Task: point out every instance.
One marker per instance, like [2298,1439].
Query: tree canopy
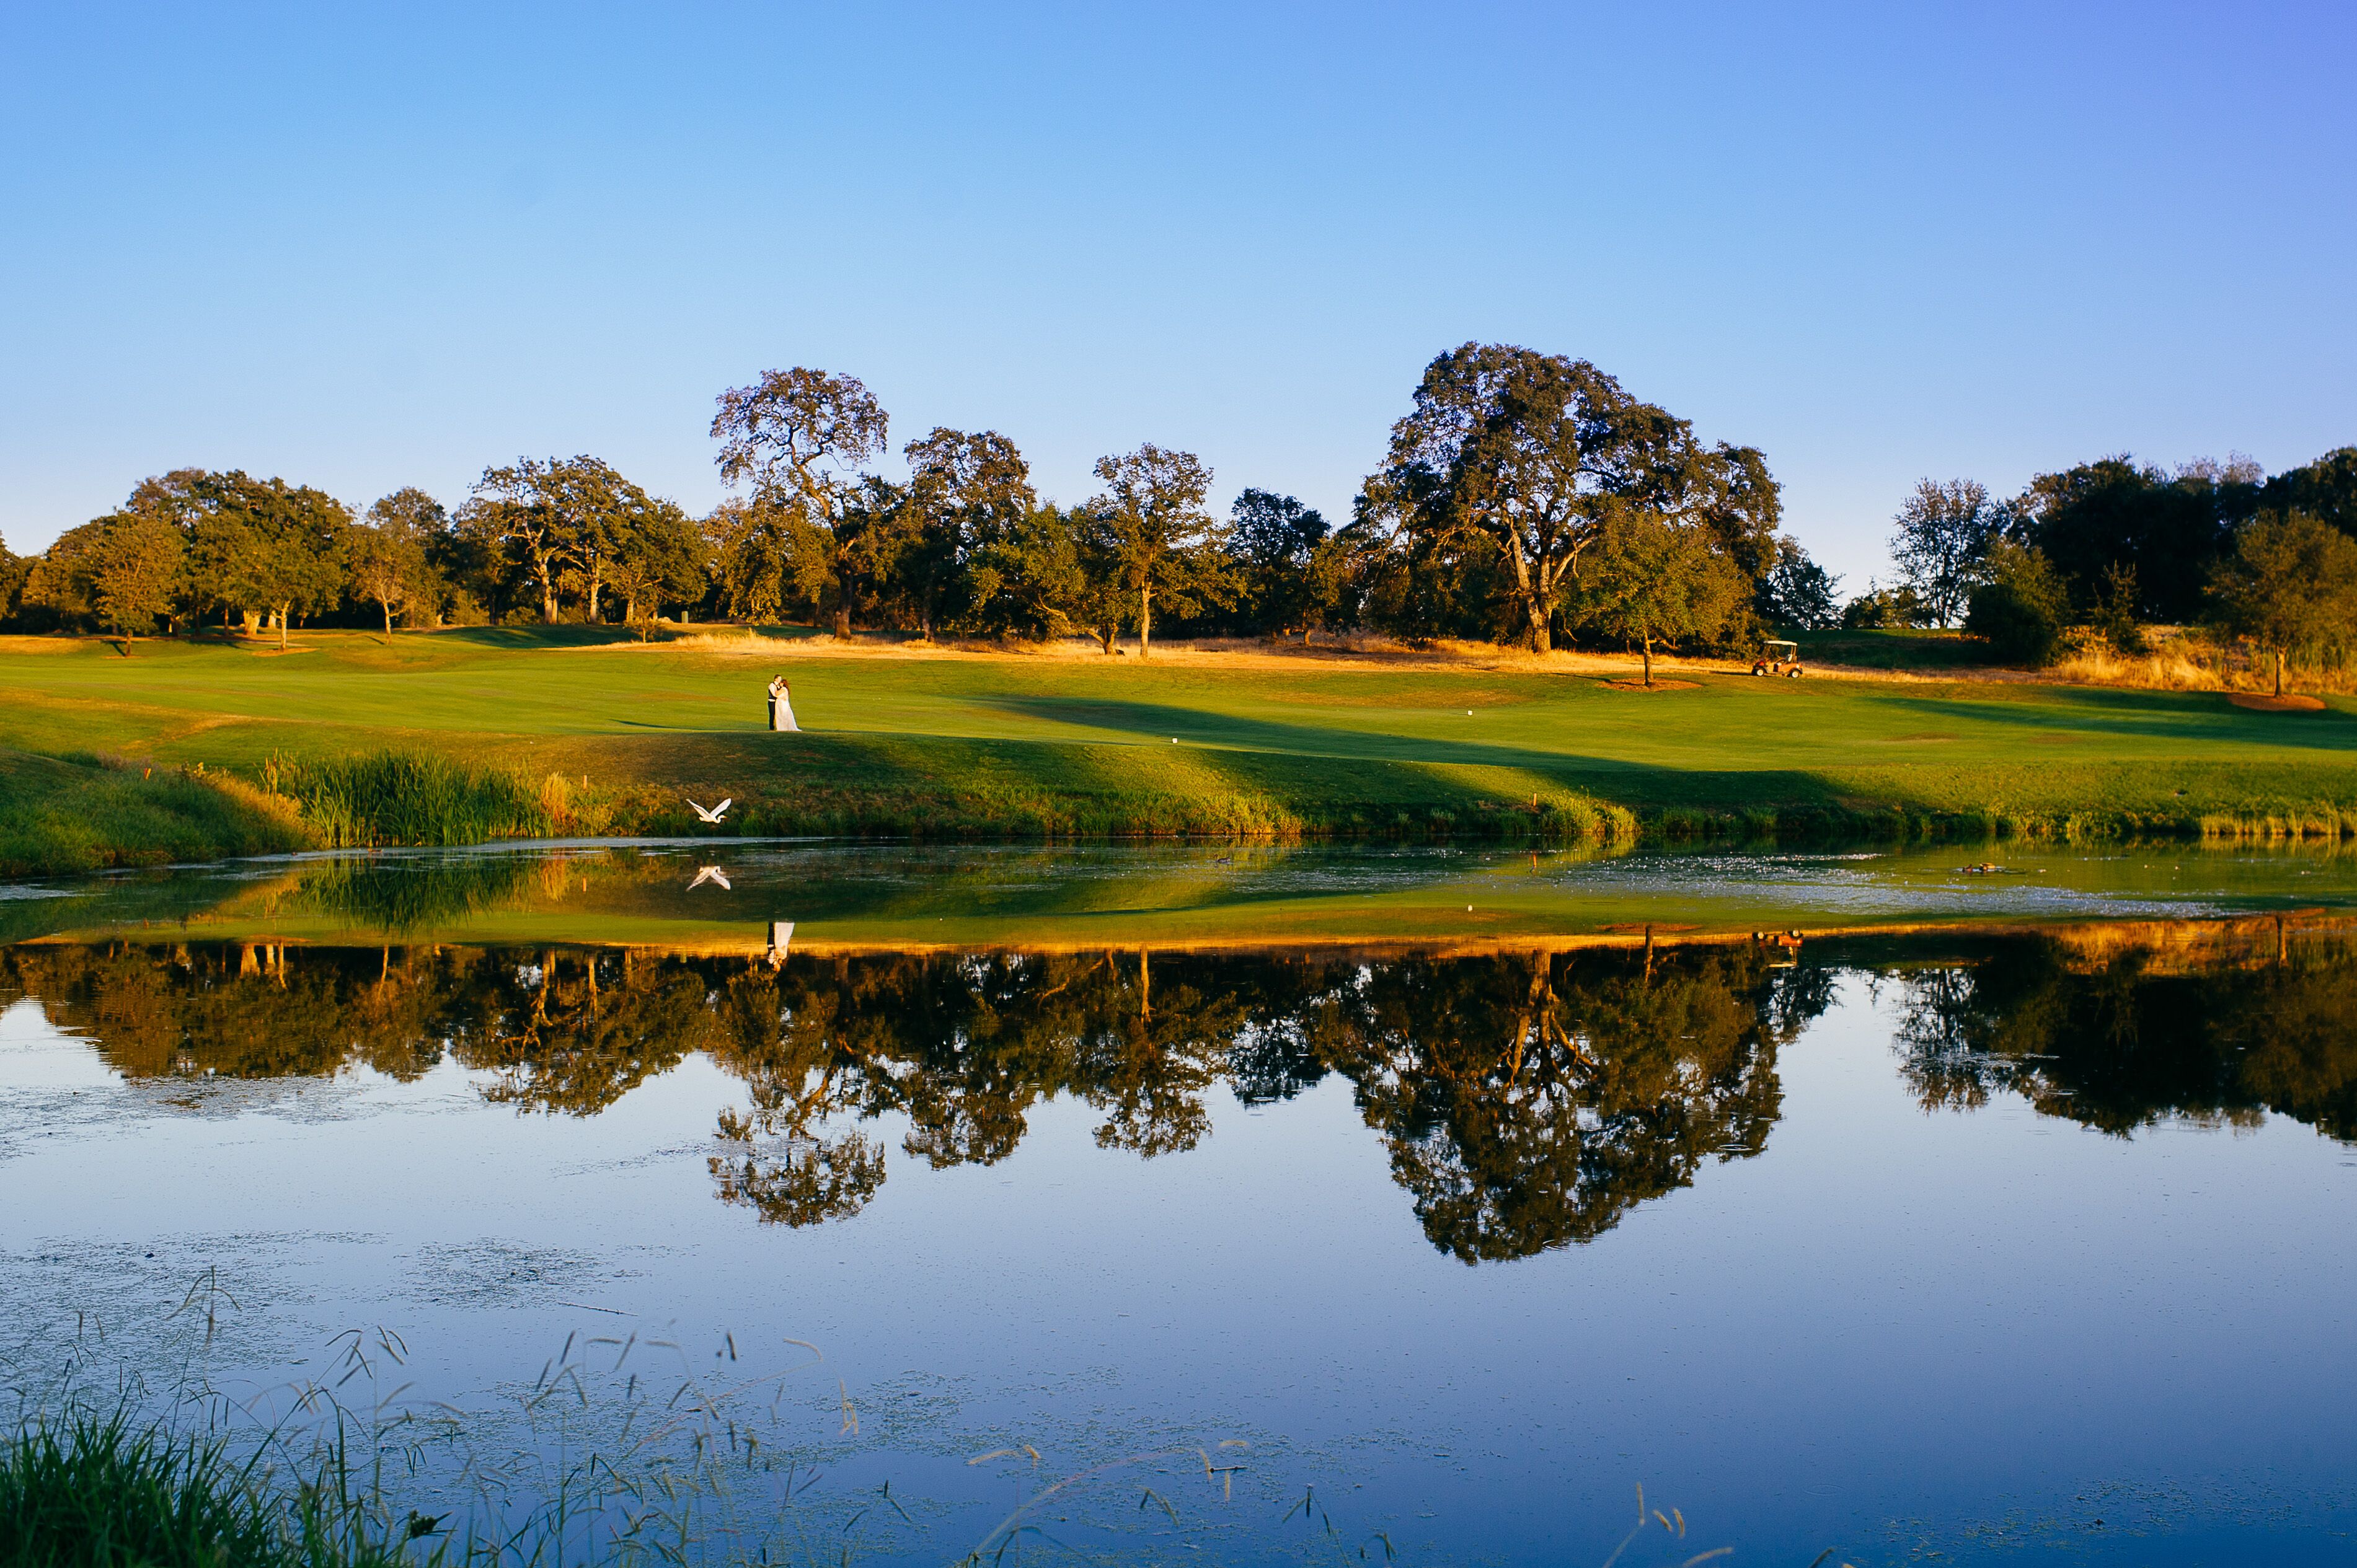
[1277,547]
[2020,604]
[2116,516]
[967,493]
[2290,583]
[135,573]
[1487,518]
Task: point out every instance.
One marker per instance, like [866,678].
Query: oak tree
[1653,581]
[1149,528]
[135,573]
[1532,452]
[795,440]
[1273,543]
[1028,579]
[2291,581]
[1943,532]
[967,493]
[387,563]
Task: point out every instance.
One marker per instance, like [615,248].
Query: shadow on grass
[2160,716]
[936,783]
[517,639]
[1152,722]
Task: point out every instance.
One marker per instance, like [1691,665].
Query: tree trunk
[547,601]
[2278,671]
[1534,606]
[842,619]
[387,605]
[1105,632]
[1145,622]
[283,610]
[1647,644]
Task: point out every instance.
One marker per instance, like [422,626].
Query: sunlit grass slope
[614,737]
[76,815]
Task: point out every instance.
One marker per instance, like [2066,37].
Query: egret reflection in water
[1525,1099]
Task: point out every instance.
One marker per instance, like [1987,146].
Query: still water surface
[2000,1212]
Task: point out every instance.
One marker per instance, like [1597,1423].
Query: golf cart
[1778,659]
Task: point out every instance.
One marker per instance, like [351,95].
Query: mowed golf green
[959,743]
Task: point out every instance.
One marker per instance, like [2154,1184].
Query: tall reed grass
[416,797]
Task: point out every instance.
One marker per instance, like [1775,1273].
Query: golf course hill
[193,749]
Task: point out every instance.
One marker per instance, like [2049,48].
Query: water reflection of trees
[2245,1019]
[1526,1100]
[1532,1100]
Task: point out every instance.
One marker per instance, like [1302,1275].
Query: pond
[1189,1204]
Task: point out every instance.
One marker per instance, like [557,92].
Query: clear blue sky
[365,247]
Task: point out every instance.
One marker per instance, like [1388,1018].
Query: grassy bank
[456,737]
[84,814]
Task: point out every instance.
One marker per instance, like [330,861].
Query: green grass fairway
[968,744]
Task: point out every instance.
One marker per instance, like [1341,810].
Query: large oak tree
[795,440]
[564,523]
[1532,452]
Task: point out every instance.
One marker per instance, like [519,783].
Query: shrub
[2020,608]
[1884,608]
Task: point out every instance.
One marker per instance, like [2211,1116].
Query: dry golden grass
[2169,671]
[2187,661]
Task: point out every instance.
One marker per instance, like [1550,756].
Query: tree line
[1524,497]
[2117,547]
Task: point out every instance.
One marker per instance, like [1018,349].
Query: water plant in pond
[622,1450]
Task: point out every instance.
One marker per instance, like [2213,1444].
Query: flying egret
[710,873]
[716,812]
